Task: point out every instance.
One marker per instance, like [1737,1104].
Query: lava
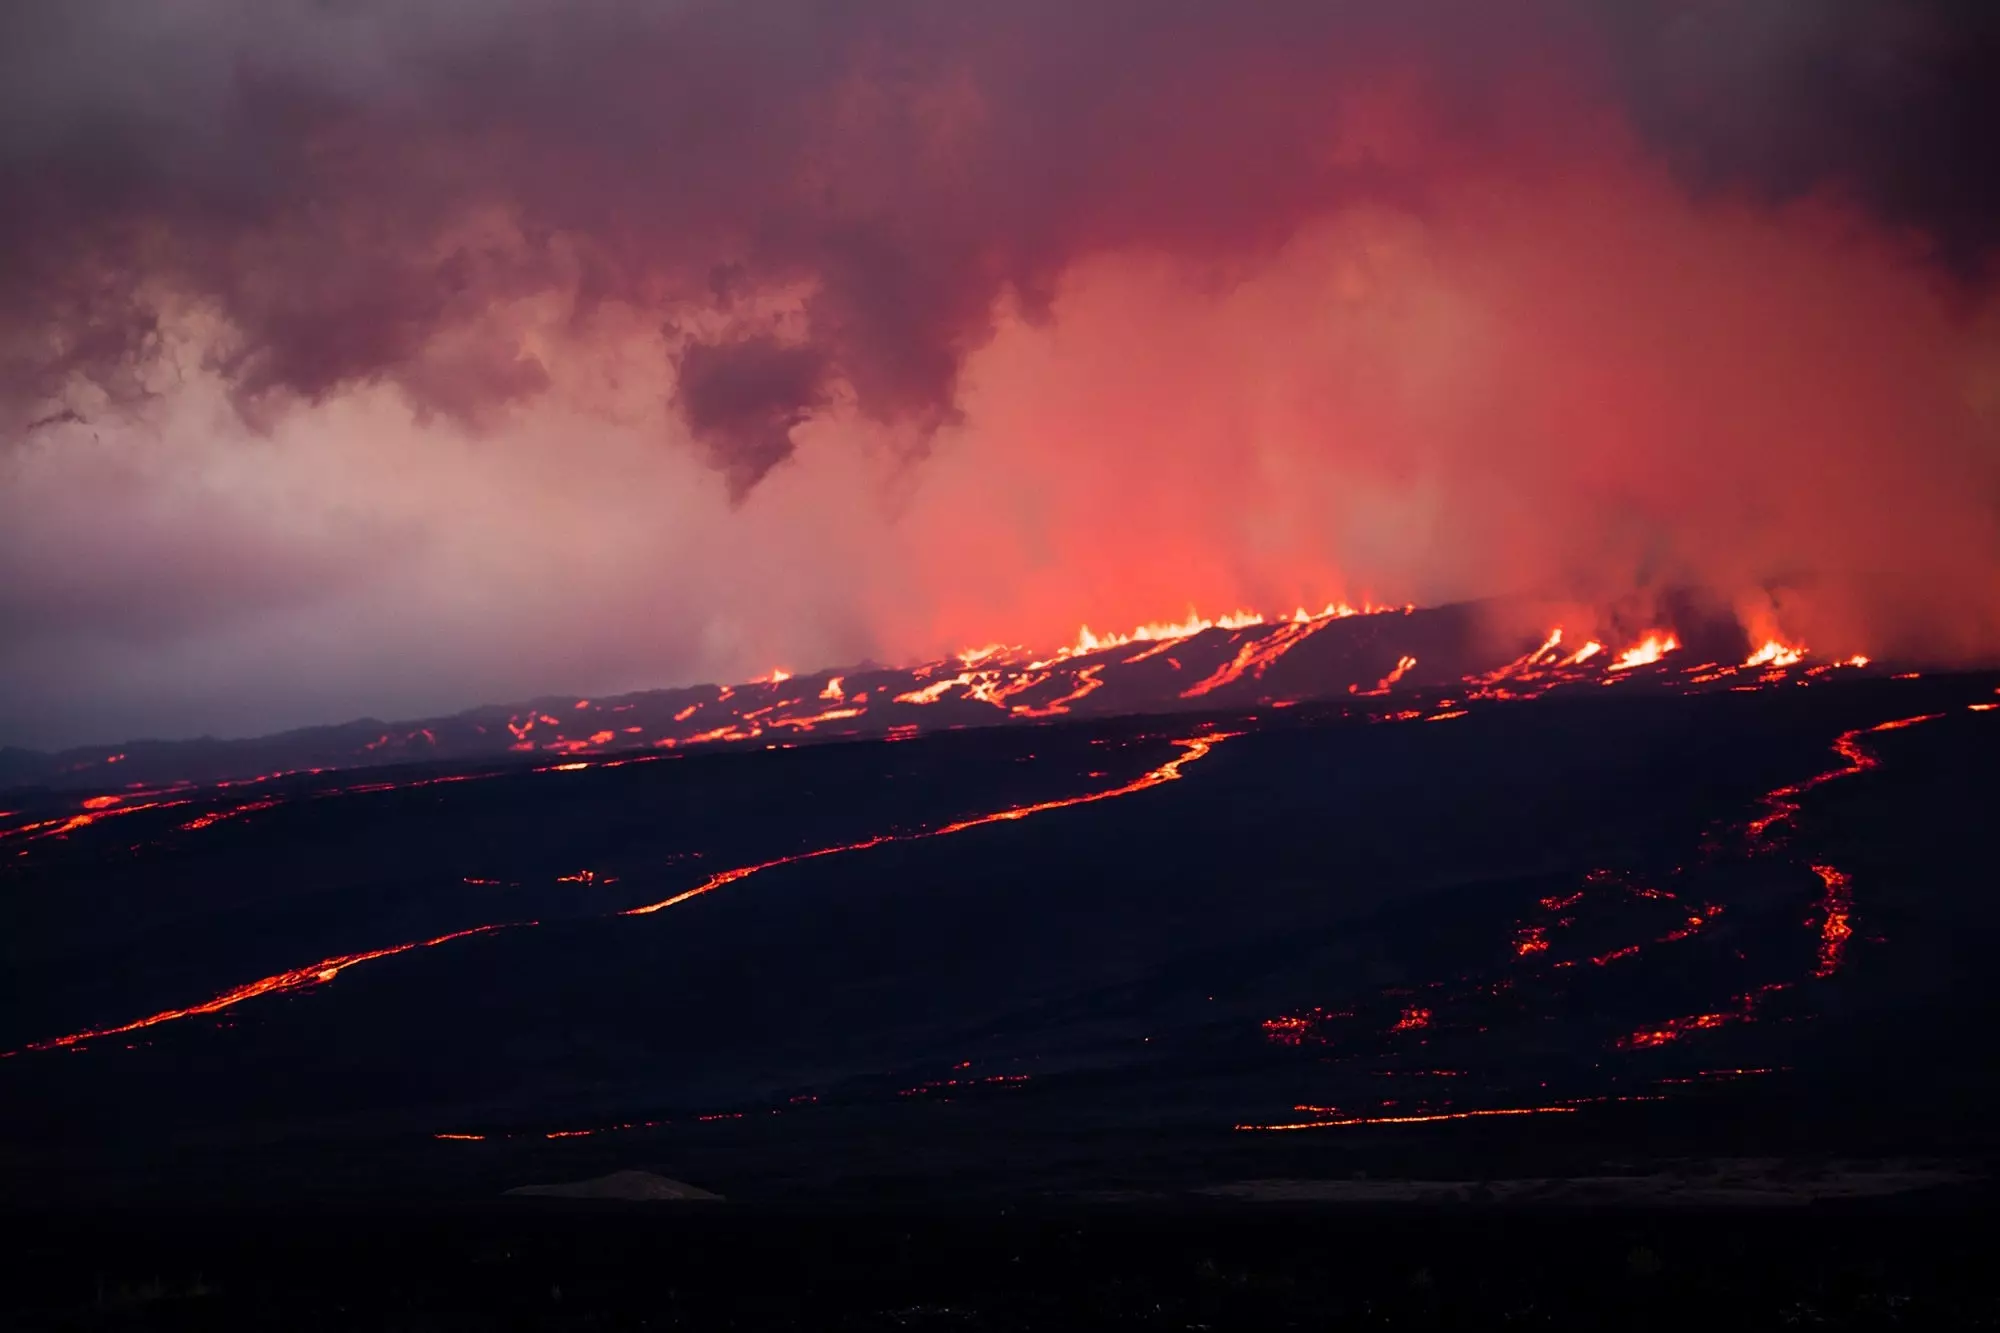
[818,719]
[1775,654]
[1087,643]
[1647,651]
[1413,1019]
[1421,1119]
[1744,1008]
[215,817]
[1087,680]
[298,978]
[1835,929]
[1256,656]
[1192,748]
[1782,803]
[1534,979]
[1382,686]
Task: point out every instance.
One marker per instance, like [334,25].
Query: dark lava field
[1603,944]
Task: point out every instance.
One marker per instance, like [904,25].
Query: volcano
[1236,662]
[1200,905]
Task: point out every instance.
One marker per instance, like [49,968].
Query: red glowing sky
[1207,312]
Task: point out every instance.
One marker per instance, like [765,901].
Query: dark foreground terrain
[1653,1002]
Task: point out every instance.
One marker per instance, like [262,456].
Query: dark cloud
[347,186]
[357,192]
[741,400]
[1895,104]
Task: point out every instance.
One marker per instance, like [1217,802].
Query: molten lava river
[1204,888]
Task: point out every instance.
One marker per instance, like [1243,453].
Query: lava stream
[316,974]
[1413,1119]
[1782,803]
[1835,927]
[299,978]
[1193,748]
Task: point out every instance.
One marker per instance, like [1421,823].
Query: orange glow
[1413,1019]
[930,694]
[808,723]
[1781,804]
[1396,673]
[1289,1030]
[1192,748]
[1584,654]
[1672,1030]
[833,690]
[1426,1119]
[1675,1028]
[1086,681]
[1257,655]
[101,802]
[1775,654]
[298,978]
[1835,927]
[1086,642]
[1656,644]
[1531,940]
[214,817]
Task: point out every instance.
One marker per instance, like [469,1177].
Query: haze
[386,359]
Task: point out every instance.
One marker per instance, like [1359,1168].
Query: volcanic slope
[1240,661]
[1022,958]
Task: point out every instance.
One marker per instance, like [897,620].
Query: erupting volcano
[1151,599]
[1730,918]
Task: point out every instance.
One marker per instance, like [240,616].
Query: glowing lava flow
[1193,748]
[1086,681]
[299,978]
[1648,651]
[1775,654]
[1087,643]
[1835,928]
[1782,803]
[1257,655]
[1382,686]
[1412,1119]
[316,974]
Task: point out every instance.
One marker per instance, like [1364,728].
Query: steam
[872,328]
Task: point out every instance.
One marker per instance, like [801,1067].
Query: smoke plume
[375,357]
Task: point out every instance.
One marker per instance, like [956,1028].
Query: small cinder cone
[620,1185]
